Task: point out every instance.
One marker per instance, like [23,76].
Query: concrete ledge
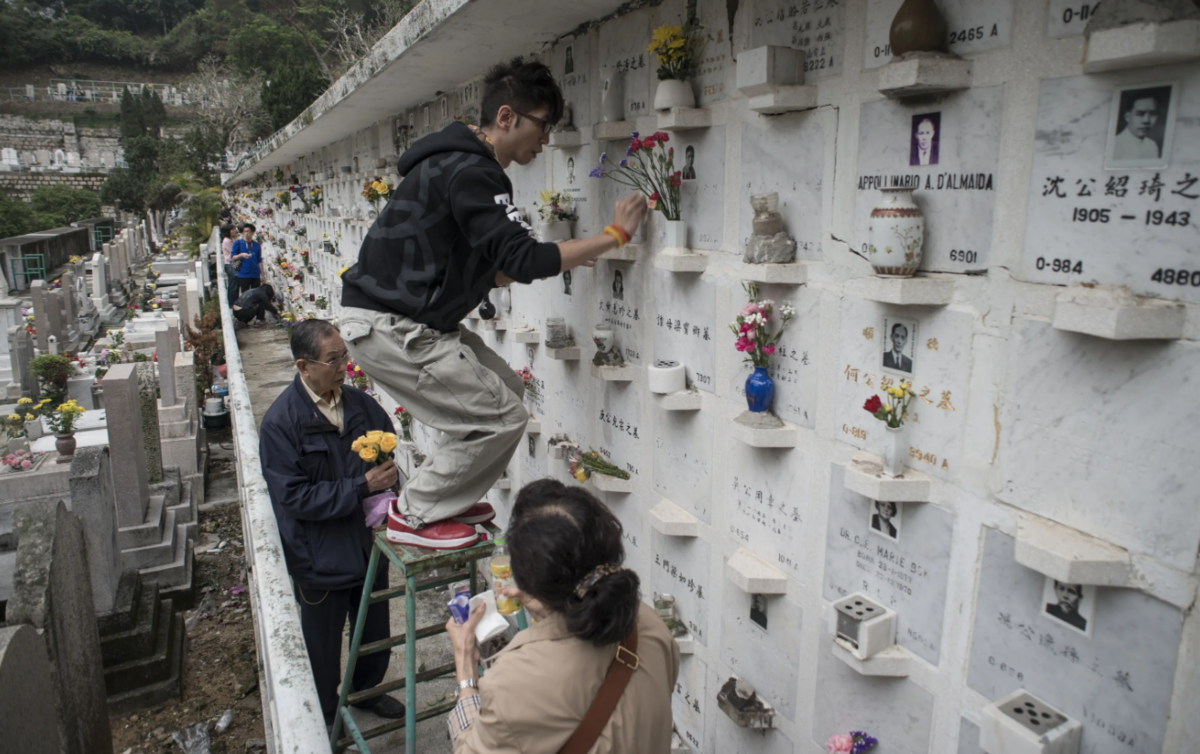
[754,576]
[783,437]
[684,118]
[784,99]
[570,353]
[1112,312]
[615,374]
[533,426]
[795,273]
[503,483]
[566,139]
[606,483]
[687,646]
[526,336]
[864,475]
[925,73]
[1069,555]
[496,323]
[684,400]
[918,290]
[681,260]
[614,130]
[627,253]
[669,519]
[893,662]
[1139,45]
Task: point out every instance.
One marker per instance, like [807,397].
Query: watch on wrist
[468,683]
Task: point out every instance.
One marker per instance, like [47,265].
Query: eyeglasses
[547,126]
[340,361]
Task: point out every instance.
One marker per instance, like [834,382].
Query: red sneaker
[442,535]
[478,513]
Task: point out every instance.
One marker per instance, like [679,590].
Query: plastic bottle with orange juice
[502,578]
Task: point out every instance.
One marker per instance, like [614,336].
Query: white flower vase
[612,95]
[896,233]
[556,231]
[674,93]
[33,429]
[895,450]
[676,235]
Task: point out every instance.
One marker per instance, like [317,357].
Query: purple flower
[603,157]
[624,163]
[596,173]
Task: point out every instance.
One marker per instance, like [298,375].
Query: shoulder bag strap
[606,700]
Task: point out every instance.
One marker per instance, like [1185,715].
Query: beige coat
[537,692]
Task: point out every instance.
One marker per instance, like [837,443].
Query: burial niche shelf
[533,426]
[793,273]
[684,119]
[684,400]
[627,253]
[1070,556]
[687,644]
[496,323]
[615,374]
[669,519]
[772,78]
[893,662]
[754,576]
[764,430]
[681,260]
[526,335]
[1114,313]
[614,130]
[607,483]
[924,73]
[1021,723]
[566,139]
[864,637]
[864,475]
[738,699]
[919,290]
[1144,44]
[503,483]
[566,353]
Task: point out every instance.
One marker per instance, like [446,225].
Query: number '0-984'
[1059,265]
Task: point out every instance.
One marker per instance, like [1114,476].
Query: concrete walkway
[269,369]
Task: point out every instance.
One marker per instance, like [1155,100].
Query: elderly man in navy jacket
[317,487]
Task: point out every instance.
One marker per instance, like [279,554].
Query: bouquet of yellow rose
[375,446]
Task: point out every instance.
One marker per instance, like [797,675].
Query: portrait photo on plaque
[1141,126]
[618,285]
[566,278]
[899,346]
[1072,605]
[569,63]
[924,140]
[445,108]
[532,445]
[571,170]
[688,172]
[885,519]
[758,610]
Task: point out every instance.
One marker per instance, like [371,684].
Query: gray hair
[307,336]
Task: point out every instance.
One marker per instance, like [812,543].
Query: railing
[291,711]
[76,90]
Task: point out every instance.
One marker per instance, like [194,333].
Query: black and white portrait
[566,276]
[529,356]
[689,166]
[1141,126]
[618,286]
[570,170]
[899,345]
[569,65]
[758,610]
[885,519]
[445,108]
[532,445]
[925,139]
[1072,605]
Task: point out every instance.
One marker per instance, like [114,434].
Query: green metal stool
[413,563]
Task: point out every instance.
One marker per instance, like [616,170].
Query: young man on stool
[448,235]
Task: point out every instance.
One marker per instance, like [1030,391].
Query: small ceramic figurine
[768,244]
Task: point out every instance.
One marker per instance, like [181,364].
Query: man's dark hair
[522,86]
[226,231]
[307,336]
[247,225]
[557,535]
[900,326]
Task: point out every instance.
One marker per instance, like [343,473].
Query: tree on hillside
[16,217]
[58,206]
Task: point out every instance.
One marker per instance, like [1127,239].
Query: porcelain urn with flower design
[895,234]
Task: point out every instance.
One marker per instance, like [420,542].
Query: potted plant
[556,216]
[649,167]
[893,414]
[678,51]
[62,424]
[754,338]
[30,413]
[52,372]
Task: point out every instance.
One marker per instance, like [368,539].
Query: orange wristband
[624,234]
[615,233]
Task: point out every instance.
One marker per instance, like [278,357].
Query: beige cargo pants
[451,382]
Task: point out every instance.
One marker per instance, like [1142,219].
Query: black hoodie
[433,253]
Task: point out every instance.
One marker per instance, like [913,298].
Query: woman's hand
[466,647]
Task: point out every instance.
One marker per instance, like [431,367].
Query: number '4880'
[1176,277]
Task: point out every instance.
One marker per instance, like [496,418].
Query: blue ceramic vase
[760,390]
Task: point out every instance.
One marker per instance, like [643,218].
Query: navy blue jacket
[317,485]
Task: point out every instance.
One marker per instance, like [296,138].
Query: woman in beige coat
[566,561]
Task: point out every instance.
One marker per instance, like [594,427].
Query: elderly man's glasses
[546,125]
[340,361]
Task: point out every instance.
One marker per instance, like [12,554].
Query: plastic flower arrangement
[526,375]
[357,377]
[405,420]
[677,49]
[375,189]
[752,327]
[648,167]
[554,206]
[584,464]
[22,460]
[322,302]
[375,446]
[854,742]
[62,420]
[895,412]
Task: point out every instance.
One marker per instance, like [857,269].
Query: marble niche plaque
[571,168]
[937,344]
[1069,18]
[971,25]
[769,658]
[713,79]
[734,740]
[685,326]
[765,494]
[788,155]
[793,366]
[528,181]
[703,193]
[620,301]
[681,568]
[1090,439]
[904,563]
[1120,225]
[1117,682]
[572,71]
[683,449]
[622,46]
[689,703]
[623,437]
[629,510]
[468,99]
[894,710]
[955,178]
[968,738]
[568,391]
[818,28]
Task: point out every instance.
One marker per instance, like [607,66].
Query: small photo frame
[925,139]
[1070,605]
[758,610]
[569,61]
[566,279]
[1141,126]
[571,170]
[618,285]
[899,346]
[532,445]
[445,108]
[688,171]
[885,519]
